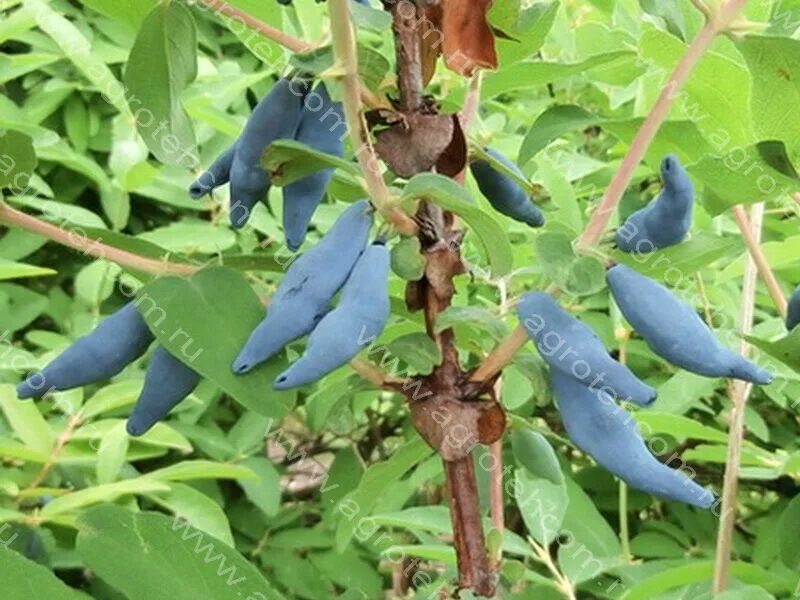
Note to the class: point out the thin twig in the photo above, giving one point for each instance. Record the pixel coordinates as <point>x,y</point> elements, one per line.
<point>758,258</point>
<point>289,42</point>
<point>78,241</point>
<point>63,439</point>
<point>501,356</point>
<point>562,581</point>
<point>739,392</point>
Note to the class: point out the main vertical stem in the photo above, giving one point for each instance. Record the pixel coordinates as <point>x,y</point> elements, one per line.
<point>474,569</point>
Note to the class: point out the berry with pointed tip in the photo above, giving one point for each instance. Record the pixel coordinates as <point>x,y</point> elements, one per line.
<point>571,347</point>
<point>275,117</point>
<point>114,344</point>
<point>609,434</point>
<point>304,296</point>
<point>354,324</point>
<point>793,312</point>
<point>666,220</point>
<point>504,194</point>
<point>673,329</point>
<point>217,175</point>
<point>167,382</point>
<point>319,129</point>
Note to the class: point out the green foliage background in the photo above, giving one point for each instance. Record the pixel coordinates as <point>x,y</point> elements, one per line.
<point>315,494</point>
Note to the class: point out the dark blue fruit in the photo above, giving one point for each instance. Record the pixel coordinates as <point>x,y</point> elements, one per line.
<point>217,175</point>
<point>504,194</point>
<point>354,324</point>
<point>673,329</point>
<point>609,434</point>
<point>304,296</point>
<point>167,382</point>
<point>793,313</point>
<point>320,125</point>
<point>115,343</point>
<point>571,347</point>
<point>666,220</point>
<point>275,117</point>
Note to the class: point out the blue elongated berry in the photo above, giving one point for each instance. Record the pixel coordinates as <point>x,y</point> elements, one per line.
<point>354,324</point>
<point>217,175</point>
<point>166,383</point>
<point>275,117</point>
<point>666,220</point>
<point>793,312</point>
<point>571,347</point>
<point>304,296</point>
<point>115,343</point>
<point>609,434</point>
<point>504,194</point>
<point>319,128</point>
<point>673,329</point>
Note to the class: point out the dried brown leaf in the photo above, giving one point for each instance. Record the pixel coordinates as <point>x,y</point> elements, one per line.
<point>469,40</point>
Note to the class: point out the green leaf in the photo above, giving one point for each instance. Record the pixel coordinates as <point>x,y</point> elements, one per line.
<point>552,124</point>
<point>436,519</point>
<point>480,318</point>
<point>111,455</point>
<point>198,509</point>
<point>527,75</point>
<point>679,427</point>
<point>716,97</point>
<point>148,556</point>
<point>536,455</point>
<point>102,493</point>
<point>418,350</point>
<point>192,238</point>
<point>265,491</point>
<point>732,179</point>
<point>187,316</point>
<point>116,204</point>
<point>695,572</point>
<point>774,64</point>
<point>451,196</point>
<point>22,578</point>
<point>372,65</point>
<point>200,469</point>
<point>26,420</point>
<point>594,546</point>
<point>788,541</point>
<point>130,12</point>
<point>376,480</point>
<point>290,161</point>
<point>689,256</point>
<point>528,27</point>
<point>542,504</point>
<point>586,276</point>
<point>15,270</point>
<point>161,64</point>
<point>786,349</point>
<point>17,160</point>
<point>77,49</point>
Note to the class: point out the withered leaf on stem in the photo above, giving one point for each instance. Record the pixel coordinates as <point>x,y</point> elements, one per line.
<point>469,41</point>
<point>416,145</point>
<point>454,158</point>
<point>453,428</point>
<point>431,40</point>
